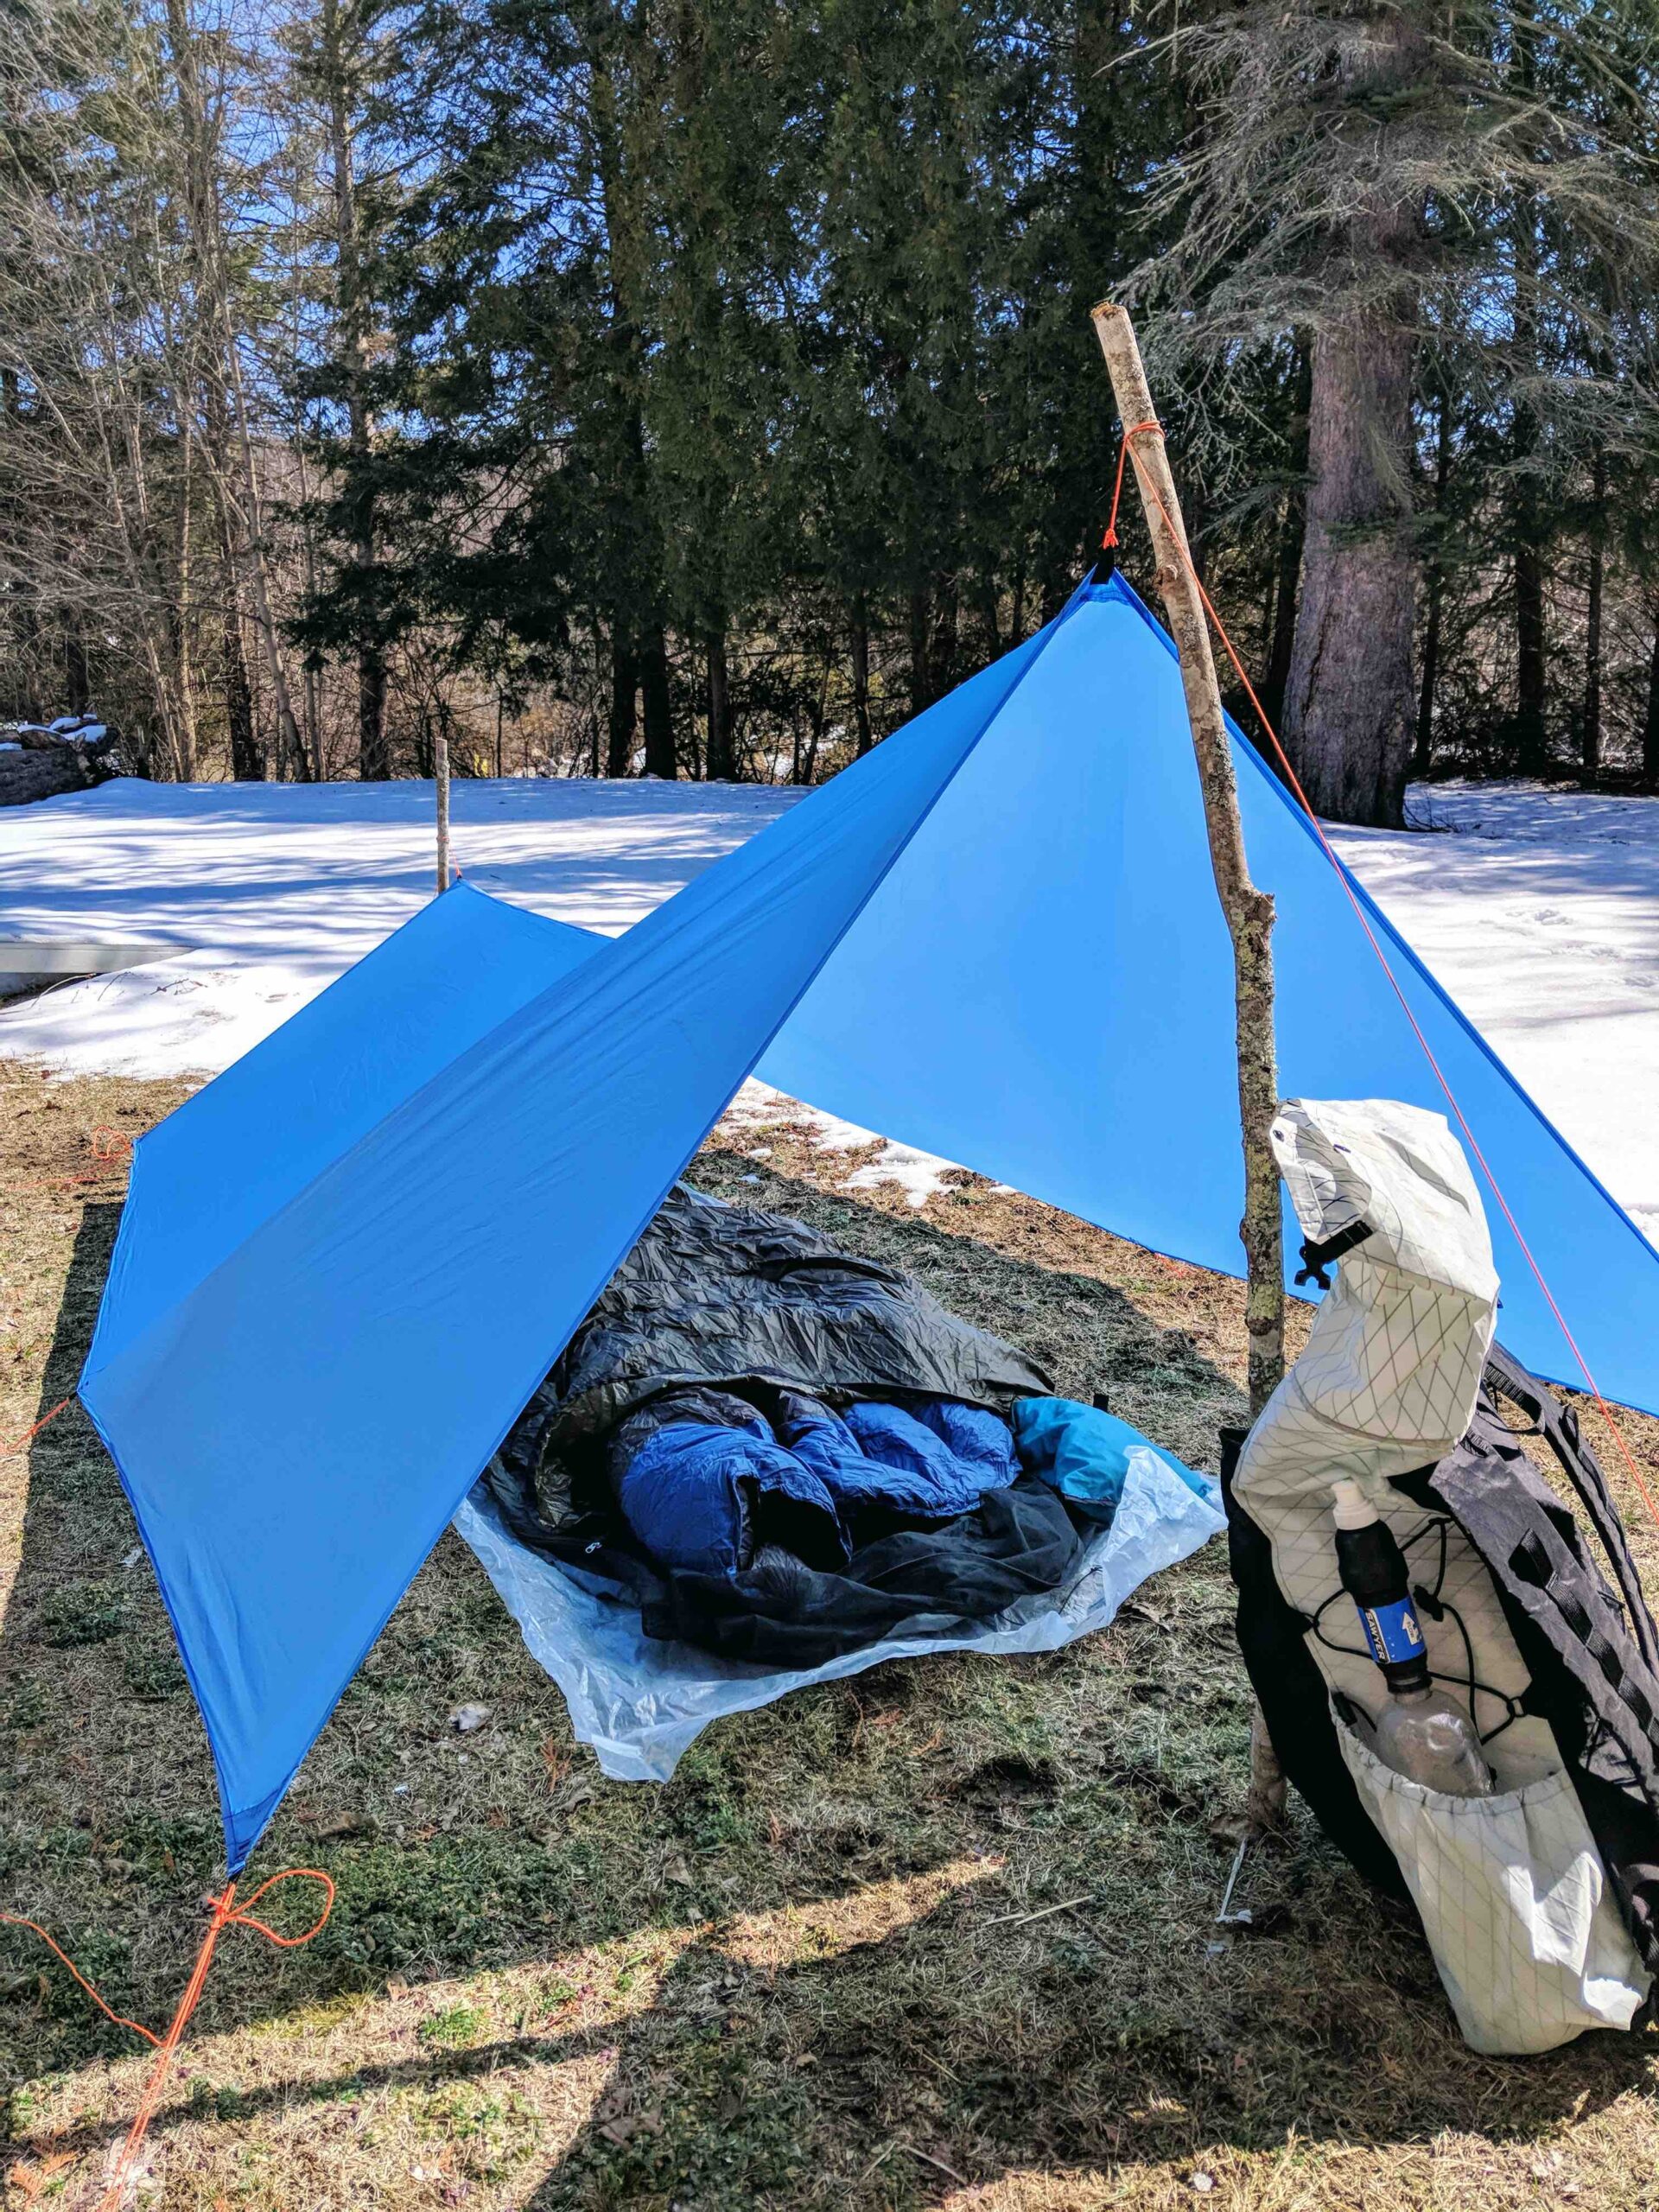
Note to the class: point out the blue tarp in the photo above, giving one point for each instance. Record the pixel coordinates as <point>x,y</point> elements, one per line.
<point>346,1264</point>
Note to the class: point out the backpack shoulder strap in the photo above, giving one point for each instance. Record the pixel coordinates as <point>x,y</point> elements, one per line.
<point>1558,1426</point>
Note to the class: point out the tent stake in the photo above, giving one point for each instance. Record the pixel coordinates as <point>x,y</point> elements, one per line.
<point>1248,914</point>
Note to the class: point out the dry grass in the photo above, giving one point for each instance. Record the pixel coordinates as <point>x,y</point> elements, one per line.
<point>821,1969</point>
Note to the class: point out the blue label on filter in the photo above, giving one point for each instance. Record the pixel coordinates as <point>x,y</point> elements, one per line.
<point>1392,1632</point>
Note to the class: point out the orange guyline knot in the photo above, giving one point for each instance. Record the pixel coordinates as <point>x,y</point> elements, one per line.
<point>1108,543</point>
<point>109,1147</point>
<point>226,1913</point>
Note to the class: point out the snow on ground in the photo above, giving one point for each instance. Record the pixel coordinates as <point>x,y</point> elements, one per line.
<point>1538,911</point>
<point>270,890</point>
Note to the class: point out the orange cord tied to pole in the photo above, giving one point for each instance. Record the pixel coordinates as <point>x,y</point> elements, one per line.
<point>227,1913</point>
<point>1108,543</point>
<point>1294,782</point>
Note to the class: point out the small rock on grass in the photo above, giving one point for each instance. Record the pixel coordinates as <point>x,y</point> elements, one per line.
<point>466,1719</point>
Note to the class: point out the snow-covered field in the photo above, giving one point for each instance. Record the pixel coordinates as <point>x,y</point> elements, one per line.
<point>270,890</point>
<point>1538,911</point>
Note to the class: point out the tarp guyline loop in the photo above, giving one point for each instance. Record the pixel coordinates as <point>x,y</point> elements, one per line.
<point>227,1913</point>
<point>1108,543</point>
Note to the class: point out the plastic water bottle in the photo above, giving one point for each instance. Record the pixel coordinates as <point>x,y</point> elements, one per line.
<point>1423,1732</point>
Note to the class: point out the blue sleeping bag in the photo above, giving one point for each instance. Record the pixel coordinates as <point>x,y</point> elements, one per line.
<point>706,1494</point>
<point>704,1498</point>
<point>931,1463</point>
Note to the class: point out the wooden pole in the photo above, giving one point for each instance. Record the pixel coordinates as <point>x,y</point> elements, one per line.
<point>1248,914</point>
<point>1249,911</point>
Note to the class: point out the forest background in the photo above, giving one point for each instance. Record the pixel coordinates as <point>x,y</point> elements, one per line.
<point>701,388</point>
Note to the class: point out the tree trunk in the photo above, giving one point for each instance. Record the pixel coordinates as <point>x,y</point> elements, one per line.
<point>862,679</point>
<point>246,767</point>
<point>1292,529</point>
<point>1531,726</point>
<point>1531,730</point>
<point>625,710</point>
<point>373,757</point>
<point>78,695</point>
<point>942,649</point>
<point>1650,726</point>
<point>1591,754</point>
<point>373,752</point>
<point>1348,703</point>
<point>660,760</point>
<point>1423,751</point>
<point>223,374</point>
<point>921,692</point>
<point>718,765</point>
<point>1422,754</point>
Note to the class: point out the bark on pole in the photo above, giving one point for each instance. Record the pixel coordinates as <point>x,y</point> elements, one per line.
<point>1249,914</point>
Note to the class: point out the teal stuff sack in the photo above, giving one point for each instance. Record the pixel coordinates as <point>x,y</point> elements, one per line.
<point>1084,1453</point>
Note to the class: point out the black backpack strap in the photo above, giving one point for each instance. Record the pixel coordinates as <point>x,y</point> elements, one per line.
<point>1317,1257</point>
<point>1547,1586</point>
<point>1558,1426</point>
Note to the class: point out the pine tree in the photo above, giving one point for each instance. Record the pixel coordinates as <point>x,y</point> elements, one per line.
<point>1371,173</point>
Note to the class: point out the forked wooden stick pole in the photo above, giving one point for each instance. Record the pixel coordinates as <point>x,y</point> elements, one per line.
<point>1248,912</point>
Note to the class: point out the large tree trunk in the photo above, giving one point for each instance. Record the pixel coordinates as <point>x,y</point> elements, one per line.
<point>718,765</point>
<point>247,765</point>
<point>1591,757</point>
<point>921,689</point>
<point>1348,705</point>
<point>1349,702</point>
<point>1531,726</point>
<point>1423,751</point>
<point>373,752</point>
<point>661,758</point>
<point>1293,532</point>
<point>1650,726</point>
<point>625,710</point>
<point>862,679</point>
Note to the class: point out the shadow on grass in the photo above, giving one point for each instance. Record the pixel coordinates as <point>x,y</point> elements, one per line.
<point>803,2084</point>
<point>973,2041</point>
